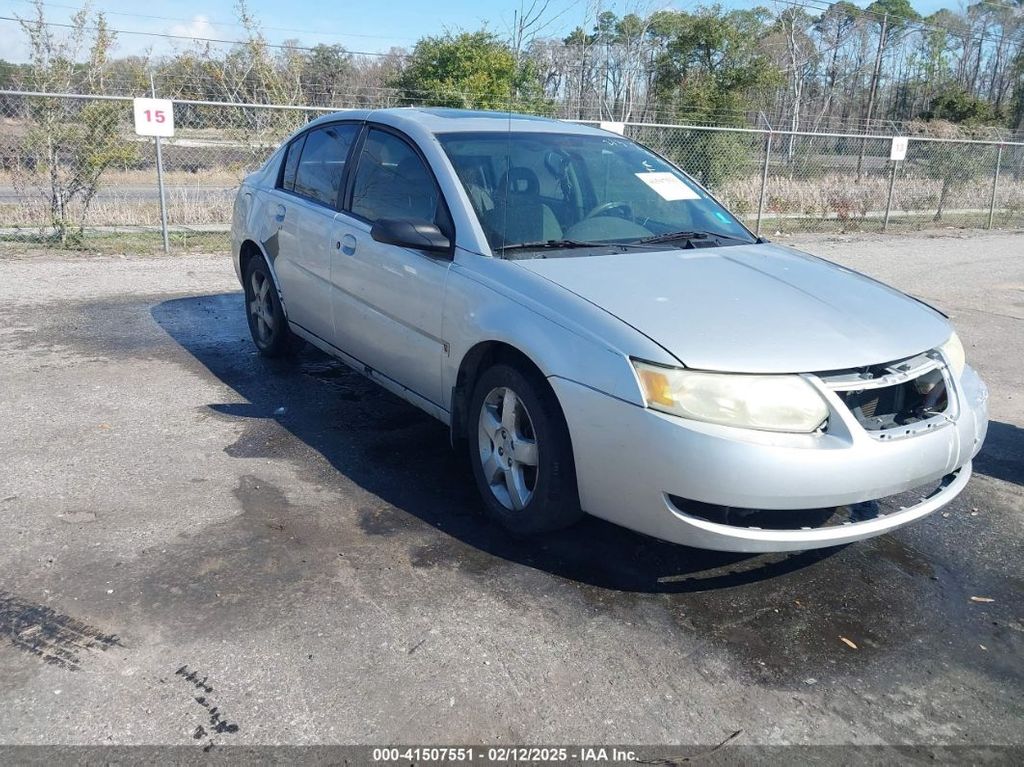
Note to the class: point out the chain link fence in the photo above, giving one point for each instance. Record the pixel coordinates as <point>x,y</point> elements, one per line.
<point>71,167</point>
<point>781,181</point>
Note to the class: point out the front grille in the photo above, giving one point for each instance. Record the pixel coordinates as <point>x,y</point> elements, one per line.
<point>810,519</point>
<point>900,405</point>
<point>895,399</point>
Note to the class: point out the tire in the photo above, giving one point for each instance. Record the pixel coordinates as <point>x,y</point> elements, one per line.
<point>533,490</point>
<point>267,323</point>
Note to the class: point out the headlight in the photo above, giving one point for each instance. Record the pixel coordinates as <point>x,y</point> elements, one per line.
<point>768,402</point>
<point>953,351</point>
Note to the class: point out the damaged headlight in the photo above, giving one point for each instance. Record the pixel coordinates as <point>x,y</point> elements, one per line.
<point>953,352</point>
<point>767,402</point>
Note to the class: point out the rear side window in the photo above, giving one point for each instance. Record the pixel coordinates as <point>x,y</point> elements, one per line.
<point>321,165</point>
<point>291,163</point>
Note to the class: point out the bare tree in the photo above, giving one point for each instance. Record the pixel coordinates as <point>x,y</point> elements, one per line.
<point>73,145</point>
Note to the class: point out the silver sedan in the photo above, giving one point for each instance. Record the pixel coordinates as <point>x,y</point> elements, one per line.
<point>602,336</point>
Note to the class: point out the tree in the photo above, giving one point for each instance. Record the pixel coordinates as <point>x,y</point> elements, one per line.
<point>712,67</point>
<point>794,26</point>
<point>472,70</point>
<point>72,144</point>
<point>1017,102</point>
<point>325,71</point>
<point>835,27</point>
<point>958,106</point>
<point>712,70</point>
<point>891,17</point>
<point>952,164</point>
<point>955,114</point>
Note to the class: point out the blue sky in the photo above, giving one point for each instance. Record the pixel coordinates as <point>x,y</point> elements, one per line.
<point>364,25</point>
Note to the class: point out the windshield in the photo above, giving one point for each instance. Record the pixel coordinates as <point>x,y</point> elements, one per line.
<point>532,191</point>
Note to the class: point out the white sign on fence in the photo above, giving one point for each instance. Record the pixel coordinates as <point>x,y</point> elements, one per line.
<point>898,150</point>
<point>619,128</point>
<point>153,117</point>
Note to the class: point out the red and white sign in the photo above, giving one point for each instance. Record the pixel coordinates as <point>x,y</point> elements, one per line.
<point>153,117</point>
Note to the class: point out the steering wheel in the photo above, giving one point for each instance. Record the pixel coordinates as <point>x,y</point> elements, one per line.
<point>604,208</point>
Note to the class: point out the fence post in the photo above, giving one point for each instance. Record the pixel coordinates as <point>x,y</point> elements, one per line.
<point>764,181</point>
<point>995,181</point>
<point>160,177</point>
<point>888,202</point>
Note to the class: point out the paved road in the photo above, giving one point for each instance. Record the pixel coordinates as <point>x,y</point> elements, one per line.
<point>308,545</point>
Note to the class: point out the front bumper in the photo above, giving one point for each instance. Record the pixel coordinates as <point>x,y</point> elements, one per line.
<point>629,459</point>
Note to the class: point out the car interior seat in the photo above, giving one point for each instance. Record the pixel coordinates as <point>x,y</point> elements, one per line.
<point>520,212</point>
<point>415,189</point>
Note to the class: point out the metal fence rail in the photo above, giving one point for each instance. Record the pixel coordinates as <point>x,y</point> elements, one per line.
<point>75,158</point>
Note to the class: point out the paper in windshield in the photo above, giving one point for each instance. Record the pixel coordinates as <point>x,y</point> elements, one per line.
<point>668,186</point>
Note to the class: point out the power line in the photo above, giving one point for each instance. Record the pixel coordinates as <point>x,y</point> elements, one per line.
<point>170,36</point>
<point>211,22</point>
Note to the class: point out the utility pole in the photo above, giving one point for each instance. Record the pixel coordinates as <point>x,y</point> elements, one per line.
<point>871,93</point>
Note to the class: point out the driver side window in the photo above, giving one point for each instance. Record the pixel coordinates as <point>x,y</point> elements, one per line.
<point>391,181</point>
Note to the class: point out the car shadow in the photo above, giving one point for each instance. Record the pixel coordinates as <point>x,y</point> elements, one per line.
<point>1002,455</point>
<point>403,456</point>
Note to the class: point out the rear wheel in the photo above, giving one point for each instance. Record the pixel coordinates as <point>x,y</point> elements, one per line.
<point>267,322</point>
<point>521,452</point>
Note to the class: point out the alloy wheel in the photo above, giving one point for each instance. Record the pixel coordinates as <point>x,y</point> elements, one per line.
<point>508,448</point>
<point>261,306</point>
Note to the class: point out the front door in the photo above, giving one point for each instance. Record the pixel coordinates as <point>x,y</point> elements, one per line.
<point>387,300</point>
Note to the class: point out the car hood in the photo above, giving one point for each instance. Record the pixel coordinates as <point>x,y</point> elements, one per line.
<point>751,308</point>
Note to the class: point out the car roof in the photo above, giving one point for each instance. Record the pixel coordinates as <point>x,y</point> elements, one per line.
<point>438,120</point>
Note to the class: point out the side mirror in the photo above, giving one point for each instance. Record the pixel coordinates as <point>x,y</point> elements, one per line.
<point>410,233</point>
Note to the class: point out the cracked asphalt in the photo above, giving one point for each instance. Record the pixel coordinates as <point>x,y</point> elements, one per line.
<point>202,546</point>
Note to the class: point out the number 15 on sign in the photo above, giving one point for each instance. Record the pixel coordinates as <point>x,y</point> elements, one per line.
<point>154,117</point>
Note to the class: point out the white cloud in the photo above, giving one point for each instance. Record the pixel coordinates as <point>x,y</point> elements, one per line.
<point>199,26</point>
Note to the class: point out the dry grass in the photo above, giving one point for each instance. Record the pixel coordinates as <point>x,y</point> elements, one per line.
<point>194,206</point>
<point>840,198</point>
<point>128,198</point>
<point>136,177</point>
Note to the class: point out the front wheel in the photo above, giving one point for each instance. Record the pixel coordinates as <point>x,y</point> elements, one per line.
<point>521,452</point>
<point>267,323</point>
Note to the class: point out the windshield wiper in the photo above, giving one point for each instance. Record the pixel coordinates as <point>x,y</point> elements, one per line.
<point>559,244</point>
<point>689,235</point>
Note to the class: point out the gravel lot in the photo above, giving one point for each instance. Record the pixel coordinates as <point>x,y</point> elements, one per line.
<point>310,548</point>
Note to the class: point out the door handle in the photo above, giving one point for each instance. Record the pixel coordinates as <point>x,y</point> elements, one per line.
<point>279,215</point>
<point>346,245</point>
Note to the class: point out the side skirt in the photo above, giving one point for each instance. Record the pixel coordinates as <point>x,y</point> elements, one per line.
<point>376,376</point>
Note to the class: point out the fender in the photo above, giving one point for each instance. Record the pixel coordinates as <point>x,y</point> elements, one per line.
<point>480,310</point>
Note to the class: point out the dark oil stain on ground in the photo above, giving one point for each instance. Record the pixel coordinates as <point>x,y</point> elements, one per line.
<point>249,568</point>
<point>56,638</point>
<point>192,677</point>
<point>217,721</point>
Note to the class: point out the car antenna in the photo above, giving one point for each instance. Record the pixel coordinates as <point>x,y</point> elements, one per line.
<point>508,172</point>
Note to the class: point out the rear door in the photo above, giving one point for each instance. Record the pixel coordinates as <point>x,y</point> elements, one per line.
<point>387,299</point>
<point>304,205</point>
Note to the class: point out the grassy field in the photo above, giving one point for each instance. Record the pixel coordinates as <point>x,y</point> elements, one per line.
<point>823,203</point>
